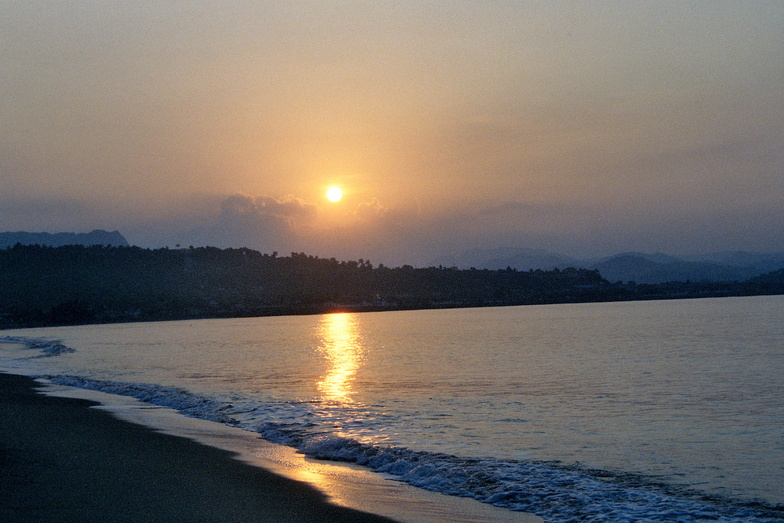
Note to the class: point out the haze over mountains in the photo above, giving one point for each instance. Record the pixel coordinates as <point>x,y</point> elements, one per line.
<point>96,237</point>
<point>629,266</point>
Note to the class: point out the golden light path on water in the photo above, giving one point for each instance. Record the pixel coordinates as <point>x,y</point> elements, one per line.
<point>342,349</point>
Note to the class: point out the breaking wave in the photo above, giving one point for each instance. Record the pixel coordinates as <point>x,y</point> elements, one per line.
<point>552,490</point>
<point>48,348</point>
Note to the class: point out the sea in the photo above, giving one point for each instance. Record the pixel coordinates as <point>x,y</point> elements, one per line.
<point>667,410</point>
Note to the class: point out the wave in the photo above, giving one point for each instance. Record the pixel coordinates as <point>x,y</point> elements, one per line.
<point>552,490</point>
<point>48,348</point>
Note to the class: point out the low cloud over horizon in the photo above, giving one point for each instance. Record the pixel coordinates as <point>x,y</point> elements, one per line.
<point>580,128</point>
<point>394,237</point>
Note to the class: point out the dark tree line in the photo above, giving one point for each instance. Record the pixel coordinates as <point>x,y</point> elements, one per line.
<point>77,284</point>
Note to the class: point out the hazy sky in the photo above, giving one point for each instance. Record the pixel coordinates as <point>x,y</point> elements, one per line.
<point>587,128</point>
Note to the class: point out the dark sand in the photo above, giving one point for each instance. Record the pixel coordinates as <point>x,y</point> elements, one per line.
<point>63,461</point>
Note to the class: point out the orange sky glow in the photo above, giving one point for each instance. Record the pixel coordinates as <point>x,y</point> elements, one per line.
<point>582,127</point>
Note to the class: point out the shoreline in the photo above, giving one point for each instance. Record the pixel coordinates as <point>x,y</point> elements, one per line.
<point>331,309</point>
<point>65,461</point>
<point>268,482</point>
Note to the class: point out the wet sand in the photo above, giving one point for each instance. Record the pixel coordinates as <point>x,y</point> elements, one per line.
<point>33,430</point>
<point>61,460</point>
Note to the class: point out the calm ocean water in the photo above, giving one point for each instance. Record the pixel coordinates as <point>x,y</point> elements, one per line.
<point>642,411</point>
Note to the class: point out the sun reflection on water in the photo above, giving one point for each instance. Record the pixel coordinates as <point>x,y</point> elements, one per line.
<point>342,348</point>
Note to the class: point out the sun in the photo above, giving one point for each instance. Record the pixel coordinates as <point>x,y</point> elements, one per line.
<point>334,194</point>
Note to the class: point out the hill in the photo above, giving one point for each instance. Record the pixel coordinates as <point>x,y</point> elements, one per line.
<point>660,268</point>
<point>96,237</point>
<point>77,284</point>
<point>637,267</point>
<point>517,258</point>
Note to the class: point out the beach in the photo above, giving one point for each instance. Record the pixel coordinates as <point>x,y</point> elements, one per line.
<point>614,411</point>
<point>61,460</point>
<point>69,454</point>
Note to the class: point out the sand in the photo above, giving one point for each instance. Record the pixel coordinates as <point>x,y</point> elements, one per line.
<point>70,454</point>
<point>63,461</point>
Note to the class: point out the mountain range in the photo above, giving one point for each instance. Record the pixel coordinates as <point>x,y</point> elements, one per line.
<point>96,237</point>
<point>629,266</point>
<point>624,267</point>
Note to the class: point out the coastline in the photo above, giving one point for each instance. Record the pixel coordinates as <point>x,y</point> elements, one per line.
<point>131,284</point>
<point>64,461</point>
<point>70,454</point>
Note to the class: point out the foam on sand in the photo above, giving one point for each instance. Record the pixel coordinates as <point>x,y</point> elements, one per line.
<point>344,484</point>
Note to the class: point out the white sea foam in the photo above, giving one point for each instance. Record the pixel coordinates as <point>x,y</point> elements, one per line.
<point>604,412</point>
<point>47,348</point>
<point>553,491</point>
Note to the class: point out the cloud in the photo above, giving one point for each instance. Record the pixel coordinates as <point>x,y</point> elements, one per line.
<point>289,208</point>
<point>371,210</point>
<point>264,223</point>
<point>51,214</point>
<point>396,235</point>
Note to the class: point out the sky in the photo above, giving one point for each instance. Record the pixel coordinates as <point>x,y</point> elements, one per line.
<point>586,128</point>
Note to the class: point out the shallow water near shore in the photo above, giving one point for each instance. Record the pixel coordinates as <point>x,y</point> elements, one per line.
<point>618,411</point>
<point>349,486</point>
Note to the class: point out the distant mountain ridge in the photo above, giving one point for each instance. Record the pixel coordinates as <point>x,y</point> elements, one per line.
<point>96,237</point>
<point>629,266</point>
<point>660,268</point>
<point>503,257</point>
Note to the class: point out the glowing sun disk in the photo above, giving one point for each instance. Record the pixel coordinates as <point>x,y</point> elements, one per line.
<point>334,194</point>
